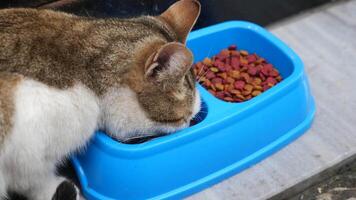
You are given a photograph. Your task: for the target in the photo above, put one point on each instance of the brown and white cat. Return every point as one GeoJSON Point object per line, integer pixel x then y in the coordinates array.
{"type": "Point", "coordinates": [63, 76]}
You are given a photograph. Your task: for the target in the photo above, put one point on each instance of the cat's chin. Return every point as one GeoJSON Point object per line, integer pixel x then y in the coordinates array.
{"type": "Point", "coordinates": [166, 129]}
{"type": "Point", "coordinates": [139, 137]}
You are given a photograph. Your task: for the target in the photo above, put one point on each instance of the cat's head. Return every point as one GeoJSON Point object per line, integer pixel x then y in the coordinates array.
{"type": "Point", "coordinates": [161, 96]}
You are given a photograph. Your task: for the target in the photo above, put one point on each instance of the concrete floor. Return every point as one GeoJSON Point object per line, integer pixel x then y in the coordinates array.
{"type": "Point", "coordinates": [340, 186]}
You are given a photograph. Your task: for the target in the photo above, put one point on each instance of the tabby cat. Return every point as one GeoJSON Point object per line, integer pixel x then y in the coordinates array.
{"type": "Point", "coordinates": [63, 76]}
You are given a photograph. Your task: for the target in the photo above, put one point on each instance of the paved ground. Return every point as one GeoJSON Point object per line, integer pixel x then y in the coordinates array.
{"type": "Point", "coordinates": [341, 186]}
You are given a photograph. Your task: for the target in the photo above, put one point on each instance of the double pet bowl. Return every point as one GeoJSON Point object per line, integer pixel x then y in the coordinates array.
{"type": "Point", "coordinates": [232, 137]}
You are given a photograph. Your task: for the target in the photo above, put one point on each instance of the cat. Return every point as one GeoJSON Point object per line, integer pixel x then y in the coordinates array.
{"type": "Point", "coordinates": [63, 76]}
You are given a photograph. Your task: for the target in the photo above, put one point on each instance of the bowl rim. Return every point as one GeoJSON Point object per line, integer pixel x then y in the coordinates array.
{"type": "Point", "coordinates": [115, 148]}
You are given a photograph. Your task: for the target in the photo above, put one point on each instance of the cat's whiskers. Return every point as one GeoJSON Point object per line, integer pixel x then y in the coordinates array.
{"type": "Point", "coordinates": [201, 69]}
{"type": "Point", "coordinates": [202, 76]}
{"type": "Point", "coordinates": [199, 76]}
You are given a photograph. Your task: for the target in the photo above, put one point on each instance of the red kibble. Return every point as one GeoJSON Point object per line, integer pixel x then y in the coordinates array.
{"type": "Point", "coordinates": [227, 94]}
{"type": "Point", "coordinates": [239, 85]}
{"type": "Point", "coordinates": [210, 75]}
{"type": "Point", "coordinates": [263, 77]}
{"type": "Point", "coordinates": [271, 80]}
{"type": "Point", "coordinates": [217, 80]}
{"type": "Point", "coordinates": [217, 62]}
{"type": "Point", "coordinates": [273, 73]}
{"type": "Point", "coordinates": [232, 47]}
{"type": "Point", "coordinates": [199, 65]}
{"type": "Point", "coordinates": [220, 94]}
{"type": "Point", "coordinates": [221, 67]}
{"type": "Point", "coordinates": [235, 62]}
{"type": "Point", "coordinates": [223, 54]}
{"type": "Point", "coordinates": [268, 67]}
{"type": "Point", "coordinates": [252, 70]}
{"type": "Point", "coordinates": [228, 61]}
{"type": "Point", "coordinates": [228, 68]}
{"type": "Point", "coordinates": [265, 87]}
{"type": "Point", "coordinates": [265, 71]}
{"type": "Point", "coordinates": [235, 54]}
{"type": "Point", "coordinates": [251, 58]}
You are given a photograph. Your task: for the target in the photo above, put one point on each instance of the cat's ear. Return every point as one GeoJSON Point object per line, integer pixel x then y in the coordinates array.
{"type": "Point", "coordinates": [181, 16]}
{"type": "Point", "coordinates": [169, 64]}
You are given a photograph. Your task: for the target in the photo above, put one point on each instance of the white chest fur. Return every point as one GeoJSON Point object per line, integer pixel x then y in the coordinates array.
{"type": "Point", "coordinates": [48, 124]}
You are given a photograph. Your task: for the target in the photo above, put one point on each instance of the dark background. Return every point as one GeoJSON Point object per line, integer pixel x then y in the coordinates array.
{"type": "Point", "coordinates": [262, 12]}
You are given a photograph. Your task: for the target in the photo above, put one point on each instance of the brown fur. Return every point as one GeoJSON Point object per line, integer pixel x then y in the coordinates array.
{"type": "Point", "coordinates": [8, 83]}
{"type": "Point", "coordinates": [60, 50]}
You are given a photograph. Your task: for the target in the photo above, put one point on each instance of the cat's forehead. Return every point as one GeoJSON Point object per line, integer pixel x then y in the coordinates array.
{"type": "Point", "coordinates": [155, 26]}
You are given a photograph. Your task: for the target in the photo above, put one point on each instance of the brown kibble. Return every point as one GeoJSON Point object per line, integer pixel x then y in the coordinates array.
{"type": "Point", "coordinates": [246, 92]}
{"type": "Point", "coordinates": [214, 69]}
{"type": "Point", "coordinates": [244, 53]}
{"type": "Point", "coordinates": [256, 93]}
{"type": "Point", "coordinates": [234, 74]}
{"type": "Point", "coordinates": [207, 83]}
{"type": "Point", "coordinates": [222, 75]}
{"type": "Point", "coordinates": [248, 87]}
{"type": "Point", "coordinates": [246, 77]}
{"type": "Point", "coordinates": [230, 80]}
{"type": "Point", "coordinates": [219, 86]}
{"type": "Point", "coordinates": [243, 61]}
{"type": "Point", "coordinates": [228, 99]}
{"type": "Point", "coordinates": [278, 78]}
{"type": "Point", "coordinates": [225, 53]}
{"type": "Point", "coordinates": [260, 61]}
{"type": "Point", "coordinates": [202, 79]}
{"type": "Point", "coordinates": [257, 81]}
{"type": "Point", "coordinates": [235, 92]}
{"type": "Point", "coordinates": [207, 62]}
{"type": "Point", "coordinates": [229, 87]}
{"type": "Point", "coordinates": [257, 87]}
{"type": "Point", "coordinates": [240, 97]}
{"type": "Point", "coordinates": [248, 97]}
{"type": "Point", "coordinates": [212, 92]}
{"type": "Point", "coordinates": [213, 87]}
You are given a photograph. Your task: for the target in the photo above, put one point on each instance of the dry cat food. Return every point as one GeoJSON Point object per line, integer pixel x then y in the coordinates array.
{"type": "Point", "coordinates": [235, 75]}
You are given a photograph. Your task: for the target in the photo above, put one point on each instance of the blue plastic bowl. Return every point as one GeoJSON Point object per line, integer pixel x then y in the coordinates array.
{"type": "Point", "coordinates": [232, 137]}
